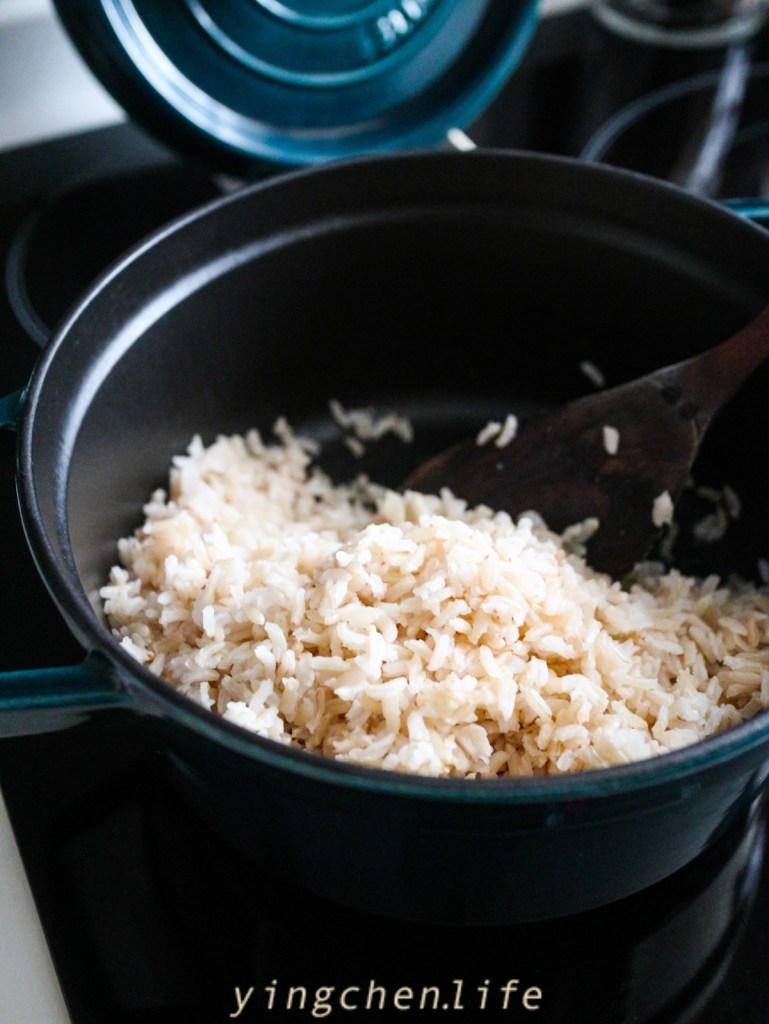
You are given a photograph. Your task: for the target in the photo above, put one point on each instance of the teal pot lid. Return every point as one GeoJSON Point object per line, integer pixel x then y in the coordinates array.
{"type": "Point", "coordinates": [244, 83]}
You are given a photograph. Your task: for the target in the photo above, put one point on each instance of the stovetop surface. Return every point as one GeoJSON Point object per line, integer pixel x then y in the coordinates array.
{"type": "Point", "coordinates": [151, 919]}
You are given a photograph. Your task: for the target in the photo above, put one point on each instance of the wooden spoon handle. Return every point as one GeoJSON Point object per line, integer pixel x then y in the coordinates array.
{"type": "Point", "coordinates": [737, 357]}
{"type": "Point", "coordinates": [704, 383]}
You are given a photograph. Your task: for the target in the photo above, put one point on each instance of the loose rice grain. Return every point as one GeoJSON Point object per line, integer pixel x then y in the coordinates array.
{"type": "Point", "coordinates": [611, 439]}
{"type": "Point", "coordinates": [662, 509]}
{"type": "Point", "coordinates": [593, 373]}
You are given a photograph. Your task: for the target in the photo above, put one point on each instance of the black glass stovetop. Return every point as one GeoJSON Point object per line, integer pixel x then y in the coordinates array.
{"type": "Point", "coordinates": [149, 917]}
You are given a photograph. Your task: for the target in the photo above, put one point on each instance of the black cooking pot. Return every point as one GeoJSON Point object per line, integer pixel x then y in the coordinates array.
{"type": "Point", "coordinates": [451, 288]}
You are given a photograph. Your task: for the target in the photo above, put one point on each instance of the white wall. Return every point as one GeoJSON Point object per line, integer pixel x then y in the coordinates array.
{"type": "Point", "coordinates": [16, 10]}
{"type": "Point", "coordinates": [46, 89]}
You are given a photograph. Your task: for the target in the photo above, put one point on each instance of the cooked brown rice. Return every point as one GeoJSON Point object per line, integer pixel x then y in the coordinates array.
{"type": "Point", "coordinates": [611, 439]}
{"type": "Point", "coordinates": [410, 632]}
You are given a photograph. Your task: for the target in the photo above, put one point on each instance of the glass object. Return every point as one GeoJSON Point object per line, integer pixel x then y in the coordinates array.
{"type": "Point", "coordinates": [683, 23]}
{"type": "Point", "coordinates": [716, 127]}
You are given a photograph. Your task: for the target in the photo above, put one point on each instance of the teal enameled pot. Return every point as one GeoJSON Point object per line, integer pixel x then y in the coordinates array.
{"type": "Point", "coordinates": [448, 287]}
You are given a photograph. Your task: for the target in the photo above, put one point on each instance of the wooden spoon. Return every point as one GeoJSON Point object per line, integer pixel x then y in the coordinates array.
{"type": "Point", "coordinates": [559, 465]}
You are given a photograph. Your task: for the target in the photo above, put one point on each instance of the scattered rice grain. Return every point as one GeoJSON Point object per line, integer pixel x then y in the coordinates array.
{"type": "Point", "coordinates": [662, 509]}
{"type": "Point", "coordinates": [593, 374]}
{"type": "Point", "coordinates": [488, 433]}
{"type": "Point", "coordinates": [508, 431]}
{"type": "Point", "coordinates": [611, 439]}
{"type": "Point", "coordinates": [368, 426]}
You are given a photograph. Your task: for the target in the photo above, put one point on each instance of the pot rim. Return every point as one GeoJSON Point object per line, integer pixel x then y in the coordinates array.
{"type": "Point", "coordinates": [741, 741]}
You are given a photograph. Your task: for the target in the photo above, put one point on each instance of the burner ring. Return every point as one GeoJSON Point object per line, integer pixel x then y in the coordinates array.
{"type": "Point", "coordinates": [65, 242]}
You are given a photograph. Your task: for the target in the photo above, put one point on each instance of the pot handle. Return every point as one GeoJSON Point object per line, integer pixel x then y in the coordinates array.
{"type": "Point", "coordinates": [48, 700]}
{"type": "Point", "coordinates": [756, 210]}
{"type": "Point", "coordinates": [10, 409]}
{"type": "Point", "coordinates": [51, 699]}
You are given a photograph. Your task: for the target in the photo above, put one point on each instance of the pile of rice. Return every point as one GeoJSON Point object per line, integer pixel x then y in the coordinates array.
{"type": "Point", "coordinates": [410, 632]}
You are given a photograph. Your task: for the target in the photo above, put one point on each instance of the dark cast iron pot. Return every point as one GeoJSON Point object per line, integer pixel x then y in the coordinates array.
{"type": "Point", "coordinates": [451, 288]}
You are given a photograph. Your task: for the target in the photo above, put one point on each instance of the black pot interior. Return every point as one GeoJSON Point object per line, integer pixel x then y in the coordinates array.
{"type": "Point", "coordinates": [450, 288]}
